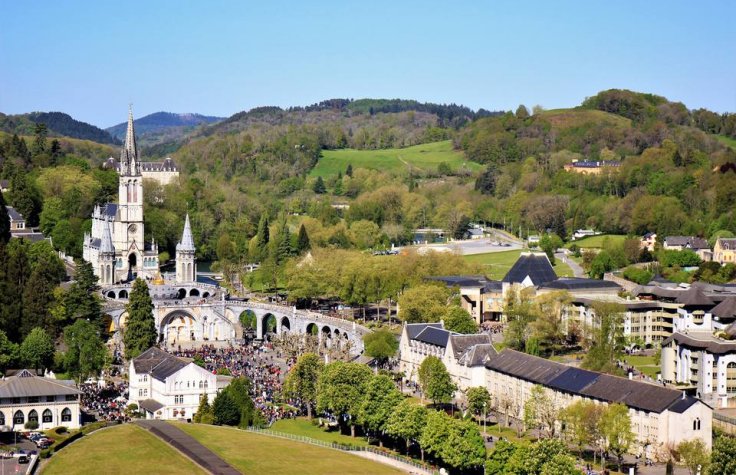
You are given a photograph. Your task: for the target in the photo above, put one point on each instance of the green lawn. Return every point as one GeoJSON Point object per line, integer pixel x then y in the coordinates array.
{"type": "Point", "coordinates": [497, 264]}
{"type": "Point", "coordinates": [646, 364]}
{"type": "Point", "coordinates": [395, 160]}
{"type": "Point", "coordinates": [123, 449]}
{"type": "Point", "coordinates": [256, 453]}
{"type": "Point", "coordinates": [302, 426]}
{"type": "Point", "coordinates": [727, 140]}
{"type": "Point", "coordinates": [597, 241]}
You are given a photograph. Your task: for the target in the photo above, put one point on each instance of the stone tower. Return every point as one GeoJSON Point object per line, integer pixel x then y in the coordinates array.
{"type": "Point", "coordinates": [106, 257]}
{"type": "Point", "coordinates": [186, 263]}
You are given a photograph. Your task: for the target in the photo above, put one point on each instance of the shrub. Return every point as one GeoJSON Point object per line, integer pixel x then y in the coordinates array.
{"type": "Point", "coordinates": [61, 430]}
{"type": "Point", "coordinates": [31, 425]}
{"type": "Point", "coordinates": [640, 276]}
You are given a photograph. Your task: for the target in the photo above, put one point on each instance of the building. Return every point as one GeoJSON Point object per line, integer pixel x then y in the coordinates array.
{"type": "Point", "coordinates": [17, 221]}
{"type": "Point", "coordinates": [168, 387]}
{"type": "Point", "coordinates": [26, 397]}
{"type": "Point", "coordinates": [583, 233]}
{"type": "Point", "coordinates": [660, 417]}
{"type": "Point", "coordinates": [164, 172]}
{"type": "Point", "coordinates": [724, 252]}
{"type": "Point", "coordinates": [587, 167]}
{"type": "Point", "coordinates": [480, 297]}
{"type": "Point", "coordinates": [680, 243]}
{"type": "Point", "coordinates": [124, 255]}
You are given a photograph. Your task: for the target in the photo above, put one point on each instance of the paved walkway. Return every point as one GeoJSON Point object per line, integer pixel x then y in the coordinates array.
{"type": "Point", "coordinates": [577, 270]}
{"type": "Point", "coordinates": [189, 446]}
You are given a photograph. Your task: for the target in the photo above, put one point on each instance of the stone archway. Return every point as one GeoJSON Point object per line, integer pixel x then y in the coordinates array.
{"type": "Point", "coordinates": [270, 323]}
{"type": "Point", "coordinates": [177, 327]}
{"type": "Point", "coordinates": [285, 324]}
{"type": "Point", "coordinates": [312, 329]}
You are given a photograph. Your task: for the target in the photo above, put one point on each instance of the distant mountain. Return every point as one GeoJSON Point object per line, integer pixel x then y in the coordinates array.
{"type": "Point", "coordinates": [58, 124]}
{"type": "Point", "coordinates": [162, 126]}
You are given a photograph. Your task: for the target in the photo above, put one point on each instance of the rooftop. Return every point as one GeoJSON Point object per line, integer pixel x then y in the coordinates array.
{"type": "Point", "coordinates": [27, 384]}
{"type": "Point", "coordinates": [536, 266]}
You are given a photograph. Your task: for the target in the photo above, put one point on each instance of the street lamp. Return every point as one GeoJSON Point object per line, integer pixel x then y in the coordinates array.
{"type": "Point", "coordinates": [485, 417]}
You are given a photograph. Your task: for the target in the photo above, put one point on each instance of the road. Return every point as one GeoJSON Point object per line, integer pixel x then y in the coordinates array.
{"type": "Point", "coordinates": [576, 269]}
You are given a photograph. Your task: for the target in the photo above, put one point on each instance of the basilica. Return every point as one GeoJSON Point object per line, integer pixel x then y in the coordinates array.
{"type": "Point", "coordinates": [115, 246]}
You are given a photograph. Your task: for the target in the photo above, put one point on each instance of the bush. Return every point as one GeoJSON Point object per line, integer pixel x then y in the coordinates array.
{"type": "Point", "coordinates": [640, 276]}
{"type": "Point", "coordinates": [61, 430]}
{"type": "Point", "coordinates": [684, 258]}
{"type": "Point", "coordinates": [31, 425]}
{"type": "Point", "coordinates": [45, 453]}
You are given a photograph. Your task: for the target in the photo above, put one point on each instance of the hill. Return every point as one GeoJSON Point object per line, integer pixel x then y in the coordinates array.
{"type": "Point", "coordinates": [161, 127]}
{"type": "Point", "coordinates": [422, 159]}
{"type": "Point", "coordinates": [59, 124]}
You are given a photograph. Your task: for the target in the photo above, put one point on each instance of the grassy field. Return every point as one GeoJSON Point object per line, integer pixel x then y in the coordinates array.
{"type": "Point", "coordinates": [497, 264]}
{"type": "Point", "coordinates": [122, 449]}
{"type": "Point", "coordinates": [646, 364]}
{"type": "Point", "coordinates": [302, 426]}
{"type": "Point", "coordinates": [727, 140]}
{"type": "Point", "coordinates": [597, 241]}
{"type": "Point", "coordinates": [254, 453]}
{"type": "Point", "coordinates": [396, 160]}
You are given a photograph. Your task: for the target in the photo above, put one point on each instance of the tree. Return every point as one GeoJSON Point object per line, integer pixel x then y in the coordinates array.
{"type": "Point", "coordinates": [4, 221]}
{"type": "Point", "coordinates": [464, 447]}
{"type": "Point", "coordinates": [381, 397]}
{"type": "Point", "coordinates": [479, 400]}
{"type": "Point", "coordinates": [37, 349]}
{"type": "Point", "coordinates": [9, 352]}
{"type": "Point", "coordinates": [239, 391]}
{"type": "Point", "coordinates": [498, 457]}
{"type": "Point", "coordinates": [349, 170]}
{"type": "Point", "coordinates": [694, 455]}
{"type": "Point", "coordinates": [522, 112]}
{"type": "Point", "coordinates": [319, 186]}
{"type": "Point", "coordinates": [608, 338]}
{"type": "Point", "coordinates": [302, 379]}
{"type": "Point", "coordinates": [225, 410]}
{"type": "Point", "coordinates": [560, 464]}
{"type": "Point", "coordinates": [302, 241]}
{"type": "Point", "coordinates": [519, 313]}
{"type": "Point", "coordinates": [86, 352]}
{"type": "Point", "coordinates": [723, 458]}
{"type": "Point", "coordinates": [341, 389]}
{"type": "Point", "coordinates": [540, 412]}
{"type": "Point", "coordinates": [435, 381]}
{"type": "Point", "coordinates": [435, 433]}
{"type": "Point", "coordinates": [140, 328]}
{"type": "Point", "coordinates": [204, 414]}
{"type": "Point", "coordinates": [81, 300]}
{"type": "Point", "coordinates": [38, 298]}
{"type": "Point", "coordinates": [457, 319]}
{"type": "Point", "coordinates": [616, 430]}
{"type": "Point", "coordinates": [486, 181]}
{"type": "Point", "coordinates": [407, 422]}
{"type": "Point", "coordinates": [423, 303]}
{"type": "Point", "coordinates": [262, 238]}
{"type": "Point", "coordinates": [14, 273]}
{"type": "Point", "coordinates": [381, 345]}
{"type": "Point", "coordinates": [581, 424]}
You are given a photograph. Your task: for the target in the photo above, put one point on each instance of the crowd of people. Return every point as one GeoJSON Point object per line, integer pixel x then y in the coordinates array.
{"type": "Point", "coordinates": [105, 401]}
{"type": "Point", "coordinates": [260, 364]}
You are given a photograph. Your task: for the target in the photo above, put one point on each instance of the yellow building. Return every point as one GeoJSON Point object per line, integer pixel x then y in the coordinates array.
{"type": "Point", "coordinates": [724, 251]}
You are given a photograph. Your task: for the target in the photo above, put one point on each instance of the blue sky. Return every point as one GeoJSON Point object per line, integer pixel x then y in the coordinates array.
{"type": "Point", "coordinates": [90, 59]}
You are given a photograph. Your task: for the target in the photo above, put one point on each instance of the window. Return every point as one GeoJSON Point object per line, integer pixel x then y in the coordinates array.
{"type": "Point", "coordinates": [50, 398]}
{"type": "Point", "coordinates": [201, 384]}
{"type": "Point", "coordinates": [187, 384]}
{"type": "Point", "coordinates": [18, 417]}
{"type": "Point", "coordinates": [47, 416]}
{"type": "Point", "coordinates": [32, 399]}
{"type": "Point", "coordinates": [16, 400]}
{"type": "Point", "coordinates": [71, 397]}
{"type": "Point", "coordinates": [33, 416]}
{"type": "Point", "coordinates": [179, 399]}
{"type": "Point", "coordinates": [205, 384]}
{"type": "Point", "coordinates": [2, 418]}
{"type": "Point", "coordinates": [66, 415]}
{"type": "Point", "coordinates": [696, 424]}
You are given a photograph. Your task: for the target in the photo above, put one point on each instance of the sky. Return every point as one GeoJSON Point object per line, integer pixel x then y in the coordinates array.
{"type": "Point", "coordinates": [91, 59]}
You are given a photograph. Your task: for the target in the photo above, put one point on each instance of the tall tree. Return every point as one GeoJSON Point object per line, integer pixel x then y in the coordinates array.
{"type": "Point", "coordinates": [81, 300]}
{"type": "Point", "coordinates": [204, 411]}
{"type": "Point", "coordinates": [86, 352]}
{"type": "Point", "coordinates": [723, 457]}
{"type": "Point", "coordinates": [302, 242]}
{"type": "Point", "coordinates": [616, 430]}
{"type": "Point", "coordinates": [436, 382]}
{"type": "Point", "coordinates": [381, 397]}
{"type": "Point", "coordinates": [486, 181]}
{"type": "Point", "coordinates": [24, 197]}
{"type": "Point", "coordinates": [225, 410]}
{"type": "Point", "coordinates": [479, 400]}
{"type": "Point", "coordinates": [13, 280]}
{"type": "Point", "coordinates": [319, 186]}
{"type": "Point", "coordinates": [301, 381]}
{"type": "Point", "coordinates": [608, 338]}
{"type": "Point", "coordinates": [37, 349]}
{"type": "Point", "coordinates": [407, 422]}
{"type": "Point", "coordinates": [9, 352]}
{"type": "Point", "coordinates": [457, 319]}
{"type": "Point", "coordinates": [694, 455]}
{"type": "Point", "coordinates": [39, 139]}
{"type": "Point", "coordinates": [4, 221]}
{"type": "Point", "coordinates": [341, 390]}
{"type": "Point", "coordinates": [262, 238]}
{"type": "Point", "coordinates": [381, 345]}
{"type": "Point", "coordinates": [38, 298]}
{"type": "Point", "coordinates": [540, 412]}
{"type": "Point", "coordinates": [140, 329]}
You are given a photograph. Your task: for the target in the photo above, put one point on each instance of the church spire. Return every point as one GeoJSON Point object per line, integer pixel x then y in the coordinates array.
{"type": "Point", "coordinates": [187, 241]}
{"type": "Point", "coordinates": [129, 154]}
{"type": "Point", "coordinates": [106, 245]}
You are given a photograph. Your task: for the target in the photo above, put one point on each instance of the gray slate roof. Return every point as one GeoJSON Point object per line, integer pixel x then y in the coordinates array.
{"type": "Point", "coordinates": [150, 405]}
{"type": "Point", "coordinates": [534, 265]}
{"type": "Point", "coordinates": [109, 210]}
{"type": "Point", "coordinates": [725, 310]}
{"type": "Point", "coordinates": [26, 384]}
{"type": "Point", "coordinates": [689, 242]}
{"type": "Point", "coordinates": [604, 387]}
{"type": "Point", "coordinates": [574, 283]}
{"type": "Point", "coordinates": [434, 336]}
{"type": "Point", "coordinates": [704, 341]}
{"type": "Point", "coordinates": [462, 343]}
{"type": "Point", "coordinates": [14, 215]}
{"type": "Point", "coordinates": [158, 363]}
{"type": "Point", "coordinates": [413, 329]}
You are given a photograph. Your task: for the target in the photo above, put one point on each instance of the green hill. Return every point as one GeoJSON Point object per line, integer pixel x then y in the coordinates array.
{"type": "Point", "coordinates": [419, 158]}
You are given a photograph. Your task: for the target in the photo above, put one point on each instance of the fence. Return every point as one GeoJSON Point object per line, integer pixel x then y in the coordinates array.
{"type": "Point", "coordinates": [423, 468]}
{"type": "Point", "coordinates": [725, 423]}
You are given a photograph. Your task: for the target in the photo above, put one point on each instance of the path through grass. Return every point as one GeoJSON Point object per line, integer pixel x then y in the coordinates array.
{"type": "Point", "coordinates": [497, 264]}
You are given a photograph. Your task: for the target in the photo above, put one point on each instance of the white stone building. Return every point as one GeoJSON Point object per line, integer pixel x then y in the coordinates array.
{"type": "Point", "coordinates": [26, 397]}
{"type": "Point", "coordinates": [168, 387]}
{"type": "Point", "coordinates": [164, 172]}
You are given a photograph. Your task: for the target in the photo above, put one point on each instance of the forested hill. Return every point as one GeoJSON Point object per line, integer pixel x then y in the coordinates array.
{"type": "Point", "coordinates": [162, 120]}
{"type": "Point", "coordinates": [58, 125]}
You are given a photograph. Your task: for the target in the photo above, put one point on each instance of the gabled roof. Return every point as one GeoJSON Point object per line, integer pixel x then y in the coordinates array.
{"type": "Point", "coordinates": [727, 243]}
{"type": "Point", "coordinates": [687, 241]}
{"type": "Point", "coordinates": [433, 336]}
{"type": "Point", "coordinates": [576, 283]}
{"type": "Point", "coordinates": [478, 355]}
{"type": "Point", "coordinates": [109, 209]}
{"type": "Point", "coordinates": [536, 266]}
{"type": "Point", "coordinates": [725, 310]}
{"type": "Point", "coordinates": [414, 329]}
{"type": "Point", "coordinates": [158, 363]}
{"type": "Point", "coordinates": [26, 384]}
{"type": "Point", "coordinates": [14, 215]}
{"type": "Point", "coordinates": [694, 296]}
{"type": "Point", "coordinates": [150, 405]}
{"type": "Point", "coordinates": [702, 341]}
{"type": "Point", "coordinates": [462, 343]}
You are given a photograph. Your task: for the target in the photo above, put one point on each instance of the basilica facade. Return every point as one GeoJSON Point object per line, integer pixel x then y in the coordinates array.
{"type": "Point", "coordinates": [115, 246]}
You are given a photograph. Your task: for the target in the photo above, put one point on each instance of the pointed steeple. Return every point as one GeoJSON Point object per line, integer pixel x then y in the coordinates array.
{"type": "Point", "coordinates": [187, 241]}
{"type": "Point", "coordinates": [106, 245]}
{"type": "Point", "coordinates": [129, 154]}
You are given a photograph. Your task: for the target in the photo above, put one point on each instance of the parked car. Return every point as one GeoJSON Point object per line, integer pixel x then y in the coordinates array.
{"type": "Point", "coordinates": [22, 458]}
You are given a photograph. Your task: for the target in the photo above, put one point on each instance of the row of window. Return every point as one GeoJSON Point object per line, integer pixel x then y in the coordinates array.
{"type": "Point", "coordinates": [203, 384]}
{"type": "Point", "coordinates": [35, 399]}
{"type": "Point", "coordinates": [179, 399]}
{"type": "Point", "coordinates": [142, 392]}
{"type": "Point", "coordinates": [142, 378]}
{"type": "Point", "coordinates": [47, 416]}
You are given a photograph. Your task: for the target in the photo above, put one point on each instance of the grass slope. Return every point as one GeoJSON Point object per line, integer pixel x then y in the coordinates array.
{"type": "Point", "coordinates": [727, 141]}
{"type": "Point", "coordinates": [597, 241]}
{"type": "Point", "coordinates": [423, 157]}
{"type": "Point", "coordinates": [497, 264]}
{"type": "Point", "coordinates": [302, 426]}
{"type": "Point", "coordinates": [255, 453]}
{"type": "Point", "coordinates": [122, 449]}
{"type": "Point", "coordinates": [574, 118]}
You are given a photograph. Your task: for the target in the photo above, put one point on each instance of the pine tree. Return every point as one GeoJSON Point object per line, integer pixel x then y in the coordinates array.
{"type": "Point", "coordinates": [302, 242]}
{"type": "Point", "coordinates": [262, 238]}
{"type": "Point", "coordinates": [56, 152]}
{"type": "Point", "coordinates": [39, 141]}
{"type": "Point", "coordinates": [337, 191]}
{"type": "Point", "coordinates": [204, 411]}
{"type": "Point", "coordinates": [82, 301]}
{"type": "Point", "coordinates": [284, 250]}
{"type": "Point", "coordinates": [140, 329]}
{"type": "Point", "coordinates": [17, 271]}
{"type": "Point", "coordinates": [349, 170]}
{"type": "Point", "coordinates": [319, 186]}
{"type": "Point", "coordinates": [24, 198]}
{"type": "Point", "coordinates": [4, 222]}
{"type": "Point", "coordinates": [38, 297]}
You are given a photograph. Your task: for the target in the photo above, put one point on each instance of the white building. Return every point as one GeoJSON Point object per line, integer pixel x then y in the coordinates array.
{"type": "Point", "coordinates": [26, 397]}
{"type": "Point", "coordinates": [168, 387]}
{"type": "Point", "coordinates": [164, 172]}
